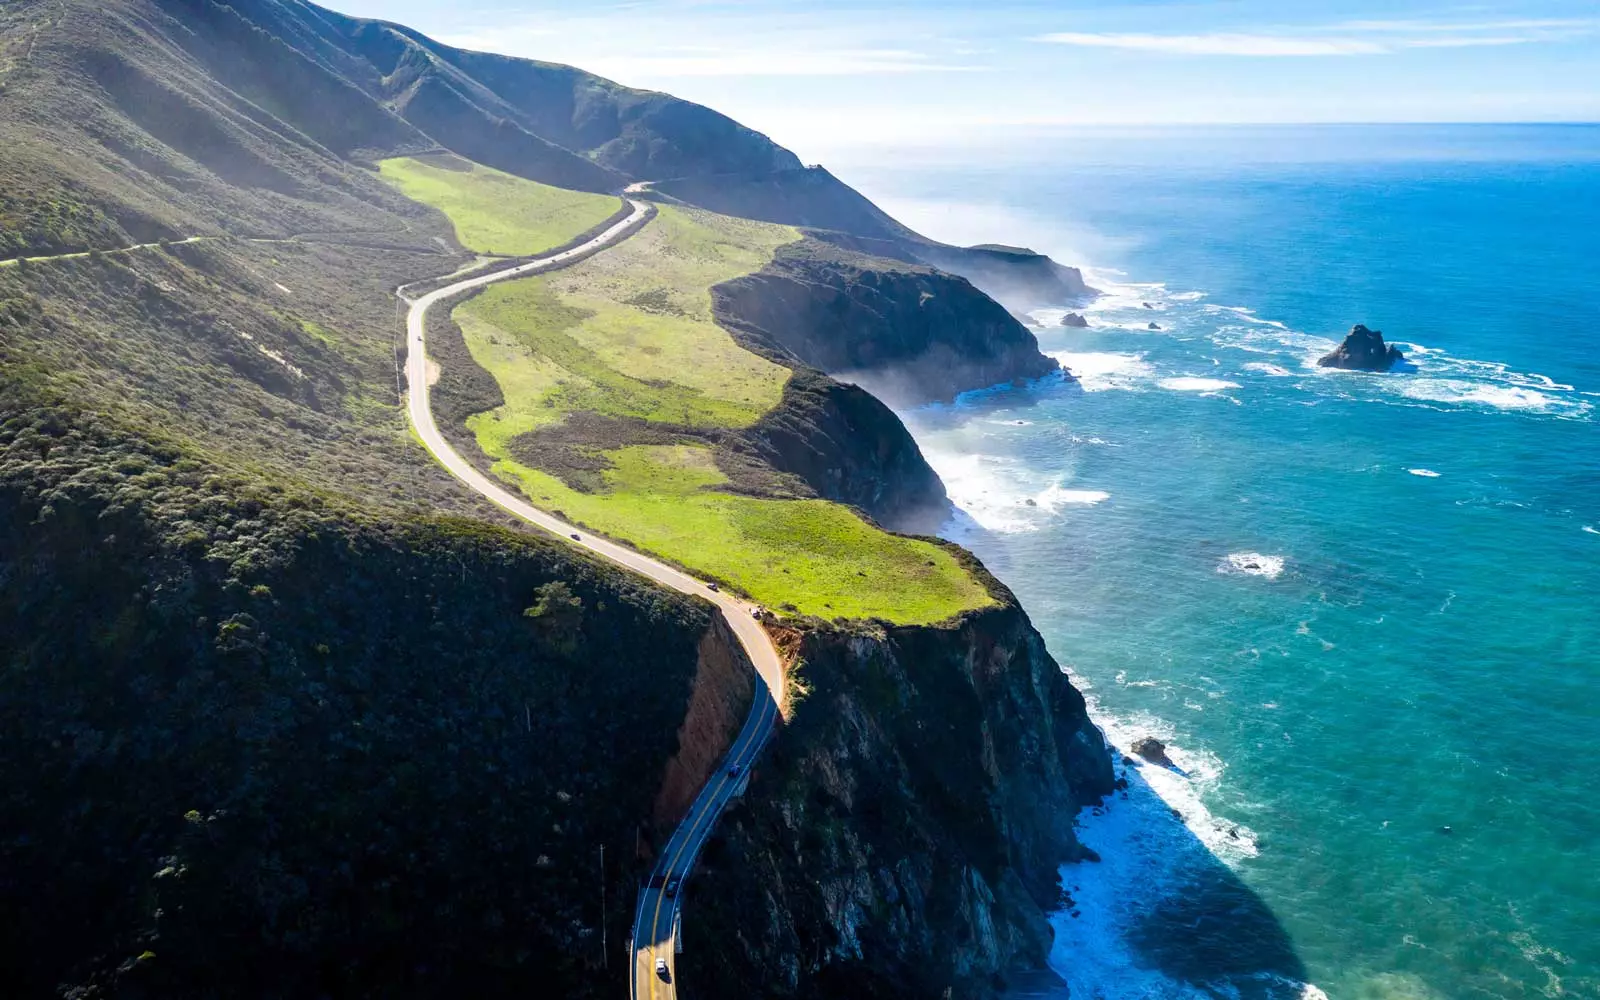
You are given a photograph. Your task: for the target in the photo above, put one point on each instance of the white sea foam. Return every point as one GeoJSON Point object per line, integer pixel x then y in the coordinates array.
{"type": "Point", "coordinates": [1501, 397]}
{"type": "Point", "coordinates": [1591, 529]}
{"type": "Point", "coordinates": [1268, 369]}
{"type": "Point", "coordinates": [1003, 494]}
{"type": "Point", "coordinates": [1147, 855]}
{"type": "Point", "coordinates": [1252, 564]}
{"type": "Point", "coordinates": [1194, 383]}
{"type": "Point", "coordinates": [1248, 315]}
{"type": "Point", "coordinates": [1425, 473]}
{"type": "Point", "coordinates": [1098, 371]}
{"type": "Point", "coordinates": [1056, 497]}
{"type": "Point", "coordinates": [1277, 340]}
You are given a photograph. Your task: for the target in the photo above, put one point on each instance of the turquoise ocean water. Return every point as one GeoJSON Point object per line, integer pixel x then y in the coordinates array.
{"type": "Point", "coordinates": [1364, 610]}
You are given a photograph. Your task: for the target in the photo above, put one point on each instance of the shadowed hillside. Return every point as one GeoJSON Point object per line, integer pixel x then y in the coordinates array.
{"type": "Point", "coordinates": [285, 711]}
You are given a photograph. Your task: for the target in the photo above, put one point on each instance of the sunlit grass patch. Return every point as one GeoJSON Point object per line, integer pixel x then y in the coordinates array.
{"type": "Point", "coordinates": [629, 336]}
{"type": "Point", "coordinates": [495, 212]}
{"type": "Point", "coordinates": [817, 557]}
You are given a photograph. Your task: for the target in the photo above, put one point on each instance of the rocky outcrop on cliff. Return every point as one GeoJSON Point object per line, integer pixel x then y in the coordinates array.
{"type": "Point", "coordinates": [832, 211]}
{"type": "Point", "coordinates": [910, 333]}
{"type": "Point", "coordinates": [1363, 350]}
{"type": "Point", "coordinates": [1019, 278]}
{"type": "Point", "coordinates": [846, 446]}
{"type": "Point", "coordinates": [903, 835]}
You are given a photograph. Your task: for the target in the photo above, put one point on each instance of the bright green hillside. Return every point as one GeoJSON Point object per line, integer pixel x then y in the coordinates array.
{"type": "Point", "coordinates": [495, 212]}
{"type": "Point", "coordinates": [630, 333]}
{"type": "Point", "coordinates": [599, 353]}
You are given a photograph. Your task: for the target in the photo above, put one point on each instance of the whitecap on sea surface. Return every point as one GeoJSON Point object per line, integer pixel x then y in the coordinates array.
{"type": "Point", "coordinates": [1097, 371]}
{"type": "Point", "coordinates": [1155, 839]}
{"type": "Point", "coordinates": [1194, 383]}
{"type": "Point", "coordinates": [1252, 564]}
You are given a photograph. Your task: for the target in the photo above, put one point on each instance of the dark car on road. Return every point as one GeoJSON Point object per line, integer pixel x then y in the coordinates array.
{"type": "Point", "coordinates": [672, 887]}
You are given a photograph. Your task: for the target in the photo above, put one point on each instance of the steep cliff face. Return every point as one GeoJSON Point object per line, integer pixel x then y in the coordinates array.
{"type": "Point", "coordinates": [724, 686]}
{"type": "Point", "coordinates": [834, 212]}
{"type": "Point", "coordinates": [909, 333]}
{"type": "Point", "coordinates": [902, 836]}
{"type": "Point", "coordinates": [1017, 278]}
{"type": "Point", "coordinates": [845, 445]}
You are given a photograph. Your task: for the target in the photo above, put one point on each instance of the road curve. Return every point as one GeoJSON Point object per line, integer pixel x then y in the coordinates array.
{"type": "Point", "coordinates": [655, 921]}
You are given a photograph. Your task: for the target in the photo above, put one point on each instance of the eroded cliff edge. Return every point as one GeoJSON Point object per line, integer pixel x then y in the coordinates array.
{"type": "Point", "coordinates": [902, 837]}
{"type": "Point", "coordinates": [910, 333]}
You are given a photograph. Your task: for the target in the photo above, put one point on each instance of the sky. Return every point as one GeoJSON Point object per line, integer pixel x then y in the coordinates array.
{"type": "Point", "coordinates": [823, 76]}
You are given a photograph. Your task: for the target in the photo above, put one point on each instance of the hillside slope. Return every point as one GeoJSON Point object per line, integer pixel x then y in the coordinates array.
{"type": "Point", "coordinates": [258, 743]}
{"type": "Point", "coordinates": [284, 710]}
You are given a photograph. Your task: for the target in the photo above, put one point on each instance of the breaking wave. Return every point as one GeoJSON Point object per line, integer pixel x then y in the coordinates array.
{"type": "Point", "coordinates": [1252, 564]}
{"type": "Point", "coordinates": [1098, 371]}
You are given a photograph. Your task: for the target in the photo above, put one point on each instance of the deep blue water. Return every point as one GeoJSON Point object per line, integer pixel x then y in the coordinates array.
{"type": "Point", "coordinates": [1361, 608]}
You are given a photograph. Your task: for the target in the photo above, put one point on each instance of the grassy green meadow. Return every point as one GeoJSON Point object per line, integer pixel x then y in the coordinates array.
{"type": "Point", "coordinates": [627, 340]}
{"type": "Point", "coordinates": [495, 212]}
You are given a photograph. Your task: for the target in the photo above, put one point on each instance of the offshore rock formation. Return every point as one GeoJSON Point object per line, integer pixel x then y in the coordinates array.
{"type": "Point", "coordinates": [1074, 320]}
{"type": "Point", "coordinates": [1363, 350]}
{"type": "Point", "coordinates": [1152, 750]}
{"type": "Point", "coordinates": [903, 835]}
{"type": "Point", "coordinates": [910, 333]}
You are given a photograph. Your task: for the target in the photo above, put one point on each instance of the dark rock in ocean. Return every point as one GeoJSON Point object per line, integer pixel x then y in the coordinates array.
{"type": "Point", "coordinates": [1363, 350]}
{"type": "Point", "coordinates": [1074, 320]}
{"type": "Point", "coordinates": [1152, 750]}
{"type": "Point", "coordinates": [1155, 326]}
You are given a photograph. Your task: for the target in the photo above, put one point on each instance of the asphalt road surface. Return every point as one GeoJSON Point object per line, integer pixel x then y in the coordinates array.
{"type": "Point", "coordinates": [655, 921]}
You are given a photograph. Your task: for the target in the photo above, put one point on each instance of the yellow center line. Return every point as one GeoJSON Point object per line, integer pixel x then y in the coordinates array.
{"type": "Point", "coordinates": [655, 921]}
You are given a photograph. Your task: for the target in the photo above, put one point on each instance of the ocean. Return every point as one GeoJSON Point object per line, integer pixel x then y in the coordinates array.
{"type": "Point", "coordinates": [1363, 611]}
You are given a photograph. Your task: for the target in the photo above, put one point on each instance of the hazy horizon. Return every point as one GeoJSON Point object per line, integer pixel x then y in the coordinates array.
{"type": "Point", "coordinates": [822, 77]}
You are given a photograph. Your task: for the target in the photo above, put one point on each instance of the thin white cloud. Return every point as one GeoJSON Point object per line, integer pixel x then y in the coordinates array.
{"type": "Point", "coordinates": [1419, 26]}
{"type": "Point", "coordinates": [1219, 44]}
{"type": "Point", "coordinates": [1350, 38]}
{"type": "Point", "coordinates": [757, 62]}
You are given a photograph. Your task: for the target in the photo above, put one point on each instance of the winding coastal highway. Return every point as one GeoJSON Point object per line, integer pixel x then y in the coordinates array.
{"type": "Point", "coordinates": [656, 919]}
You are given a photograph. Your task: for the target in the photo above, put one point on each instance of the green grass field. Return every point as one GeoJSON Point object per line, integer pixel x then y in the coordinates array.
{"type": "Point", "coordinates": [630, 334]}
{"type": "Point", "coordinates": [494, 212]}
{"type": "Point", "coordinates": [816, 556]}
